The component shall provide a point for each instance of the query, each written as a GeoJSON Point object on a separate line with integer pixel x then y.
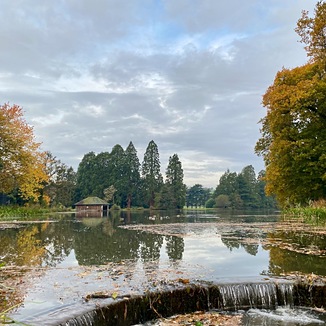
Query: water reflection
{"type": "Point", "coordinates": [204, 237]}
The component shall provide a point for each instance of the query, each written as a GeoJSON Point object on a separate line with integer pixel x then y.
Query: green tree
{"type": "Point", "coordinates": [86, 177]}
{"type": "Point", "coordinates": [101, 173]}
{"type": "Point", "coordinates": [197, 195]}
{"type": "Point", "coordinates": [248, 187]}
{"type": "Point", "coordinates": [118, 177]}
{"type": "Point", "coordinates": [222, 201]}
{"type": "Point", "coordinates": [132, 174]}
{"type": "Point", "coordinates": [229, 185]}
{"type": "Point", "coordinates": [61, 187]}
{"type": "Point", "coordinates": [293, 141]}
{"type": "Point", "coordinates": [174, 180]}
{"type": "Point", "coordinates": [109, 194]}
{"type": "Point", "coordinates": [151, 173]}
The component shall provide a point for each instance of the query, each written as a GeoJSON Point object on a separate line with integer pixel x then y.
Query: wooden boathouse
{"type": "Point", "coordinates": [91, 206]}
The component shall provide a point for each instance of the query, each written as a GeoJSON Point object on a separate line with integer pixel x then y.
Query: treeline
{"type": "Point", "coordinates": [242, 190]}
{"type": "Point", "coordinates": [29, 176]}
{"type": "Point", "coordinates": [120, 178]}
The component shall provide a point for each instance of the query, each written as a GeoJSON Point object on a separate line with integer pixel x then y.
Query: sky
{"type": "Point", "coordinates": [188, 74]}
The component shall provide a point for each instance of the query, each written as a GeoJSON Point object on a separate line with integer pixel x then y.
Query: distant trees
{"type": "Point", "coordinates": [22, 168]}
{"type": "Point", "coordinates": [120, 178]}
{"type": "Point", "coordinates": [293, 137]}
{"type": "Point", "coordinates": [242, 190]}
{"type": "Point", "coordinates": [197, 196]}
{"type": "Point", "coordinates": [29, 175]}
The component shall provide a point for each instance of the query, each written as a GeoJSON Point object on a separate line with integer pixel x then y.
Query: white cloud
{"type": "Point", "coordinates": [188, 74]}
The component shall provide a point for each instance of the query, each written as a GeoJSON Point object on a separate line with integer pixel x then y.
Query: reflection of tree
{"type": "Point", "coordinates": [99, 244]}
{"type": "Point", "coordinates": [287, 253]}
{"type": "Point", "coordinates": [58, 239]}
{"type": "Point", "coordinates": [150, 246]}
{"type": "Point", "coordinates": [22, 247]}
{"type": "Point", "coordinates": [230, 242]}
{"type": "Point", "coordinates": [240, 238]}
{"type": "Point", "coordinates": [30, 249]}
{"type": "Point", "coordinates": [174, 247]}
{"type": "Point", "coordinates": [8, 245]}
{"type": "Point", "coordinates": [44, 243]}
{"type": "Point", "coordinates": [251, 249]}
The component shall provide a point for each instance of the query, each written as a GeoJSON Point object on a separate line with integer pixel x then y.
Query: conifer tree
{"type": "Point", "coordinates": [151, 173]}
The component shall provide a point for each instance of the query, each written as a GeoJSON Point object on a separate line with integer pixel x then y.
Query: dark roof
{"type": "Point", "coordinates": [91, 201]}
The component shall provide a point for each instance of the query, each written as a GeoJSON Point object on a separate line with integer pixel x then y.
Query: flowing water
{"type": "Point", "coordinates": [59, 264]}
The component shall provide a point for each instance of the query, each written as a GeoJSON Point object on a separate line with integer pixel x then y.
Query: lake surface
{"type": "Point", "coordinates": [58, 263]}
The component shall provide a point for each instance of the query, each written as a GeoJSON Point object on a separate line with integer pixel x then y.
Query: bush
{"type": "Point", "coordinates": [210, 203]}
{"type": "Point", "coordinates": [115, 207]}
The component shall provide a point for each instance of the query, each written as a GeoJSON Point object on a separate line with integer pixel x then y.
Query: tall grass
{"type": "Point", "coordinates": [21, 213]}
{"type": "Point", "coordinates": [315, 213]}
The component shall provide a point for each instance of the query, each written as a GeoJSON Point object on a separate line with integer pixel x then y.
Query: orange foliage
{"type": "Point", "coordinates": [21, 162]}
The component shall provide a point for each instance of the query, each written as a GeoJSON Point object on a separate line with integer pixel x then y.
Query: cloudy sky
{"type": "Point", "coordinates": [188, 74]}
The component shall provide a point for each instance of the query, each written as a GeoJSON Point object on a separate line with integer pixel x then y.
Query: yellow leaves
{"type": "Point", "coordinates": [30, 248]}
{"type": "Point", "coordinates": [21, 162]}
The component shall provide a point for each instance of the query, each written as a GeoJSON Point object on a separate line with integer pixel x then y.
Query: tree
{"type": "Point", "coordinates": [222, 201]}
{"type": "Point", "coordinates": [109, 194]}
{"type": "Point", "coordinates": [248, 187]}
{"type": "Point", "coordinates": [313, 34]}
{"type": "Point", "coordinates": [117, 176]}
{"type": "Point", "coordinates": [21, 161]}
{"type": "Point", "coordinates": [174, 179]}
{"type": "Point", "coordinates": [151, 173]}
{"type": "Point", "coordinates": [86, 177]}
{"type": "Point", "coordinates": [132, 173]}
{"type": "Point", "coordinates": [102, 173]}
{"type": "Point", "coordinates": [293, 142]}
{"type": "Point", "coordinates": [61, 186]}
{"type": "Point", "coordinates": [197, 195]}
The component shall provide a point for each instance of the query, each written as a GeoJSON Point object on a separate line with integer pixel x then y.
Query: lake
{"type": "Point", "coordinates": [55, 264]}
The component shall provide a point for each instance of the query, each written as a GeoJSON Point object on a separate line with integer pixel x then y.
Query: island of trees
{"type": "Point", "coordinates": [292, 144]}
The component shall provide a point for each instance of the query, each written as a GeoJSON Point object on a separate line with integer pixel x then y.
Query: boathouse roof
{"type": "Point", "coordinates": [89, 201]}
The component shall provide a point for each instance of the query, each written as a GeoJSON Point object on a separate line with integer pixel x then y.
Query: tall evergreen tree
{"type": "Point", "coordinates": [132, 185]}
{"type": "Point", "coordinates": [174, 179]}
{"type": "Point", "coordinates": [86, 177]}
{"type": "Point", "coordinates": [102, 173]}
{"type": "Point", "coordinates": [151, 173]}
{"type": "Point", "coordinates": [118, 176]}
{"type": "Point", "coordinates": [248, 187]}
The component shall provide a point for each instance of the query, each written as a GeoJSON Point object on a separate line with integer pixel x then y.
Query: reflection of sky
{"type": "Point", "coordinates": [69, 261]}
{"type": "Point", "coordinates": [212, 254]}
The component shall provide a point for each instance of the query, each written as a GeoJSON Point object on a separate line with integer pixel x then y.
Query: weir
{"type": "Point", "coordinates": [222, 297]}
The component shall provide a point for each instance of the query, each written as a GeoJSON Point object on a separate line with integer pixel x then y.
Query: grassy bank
{"type": "Point", "coordinates": [315, 213]}
{"type": "Point", "coordinates": [9, 213]}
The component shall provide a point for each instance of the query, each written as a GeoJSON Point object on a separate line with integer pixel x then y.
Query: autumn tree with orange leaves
{"type": "Point", "coordinates": [21, 161]}
{"type": "Point", "coordinates": [293, 142]}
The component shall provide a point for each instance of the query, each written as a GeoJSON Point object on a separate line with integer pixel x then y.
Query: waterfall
{"type": "Point", "coordinates": [269, 298]}
{"type": "Point", "coordinates": [255, 295]}
{"type": "Point", "coordinates": [89, 318]}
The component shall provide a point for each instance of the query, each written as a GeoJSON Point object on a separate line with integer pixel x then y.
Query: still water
{"type": "Point", "coordinates": [61, 261]}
